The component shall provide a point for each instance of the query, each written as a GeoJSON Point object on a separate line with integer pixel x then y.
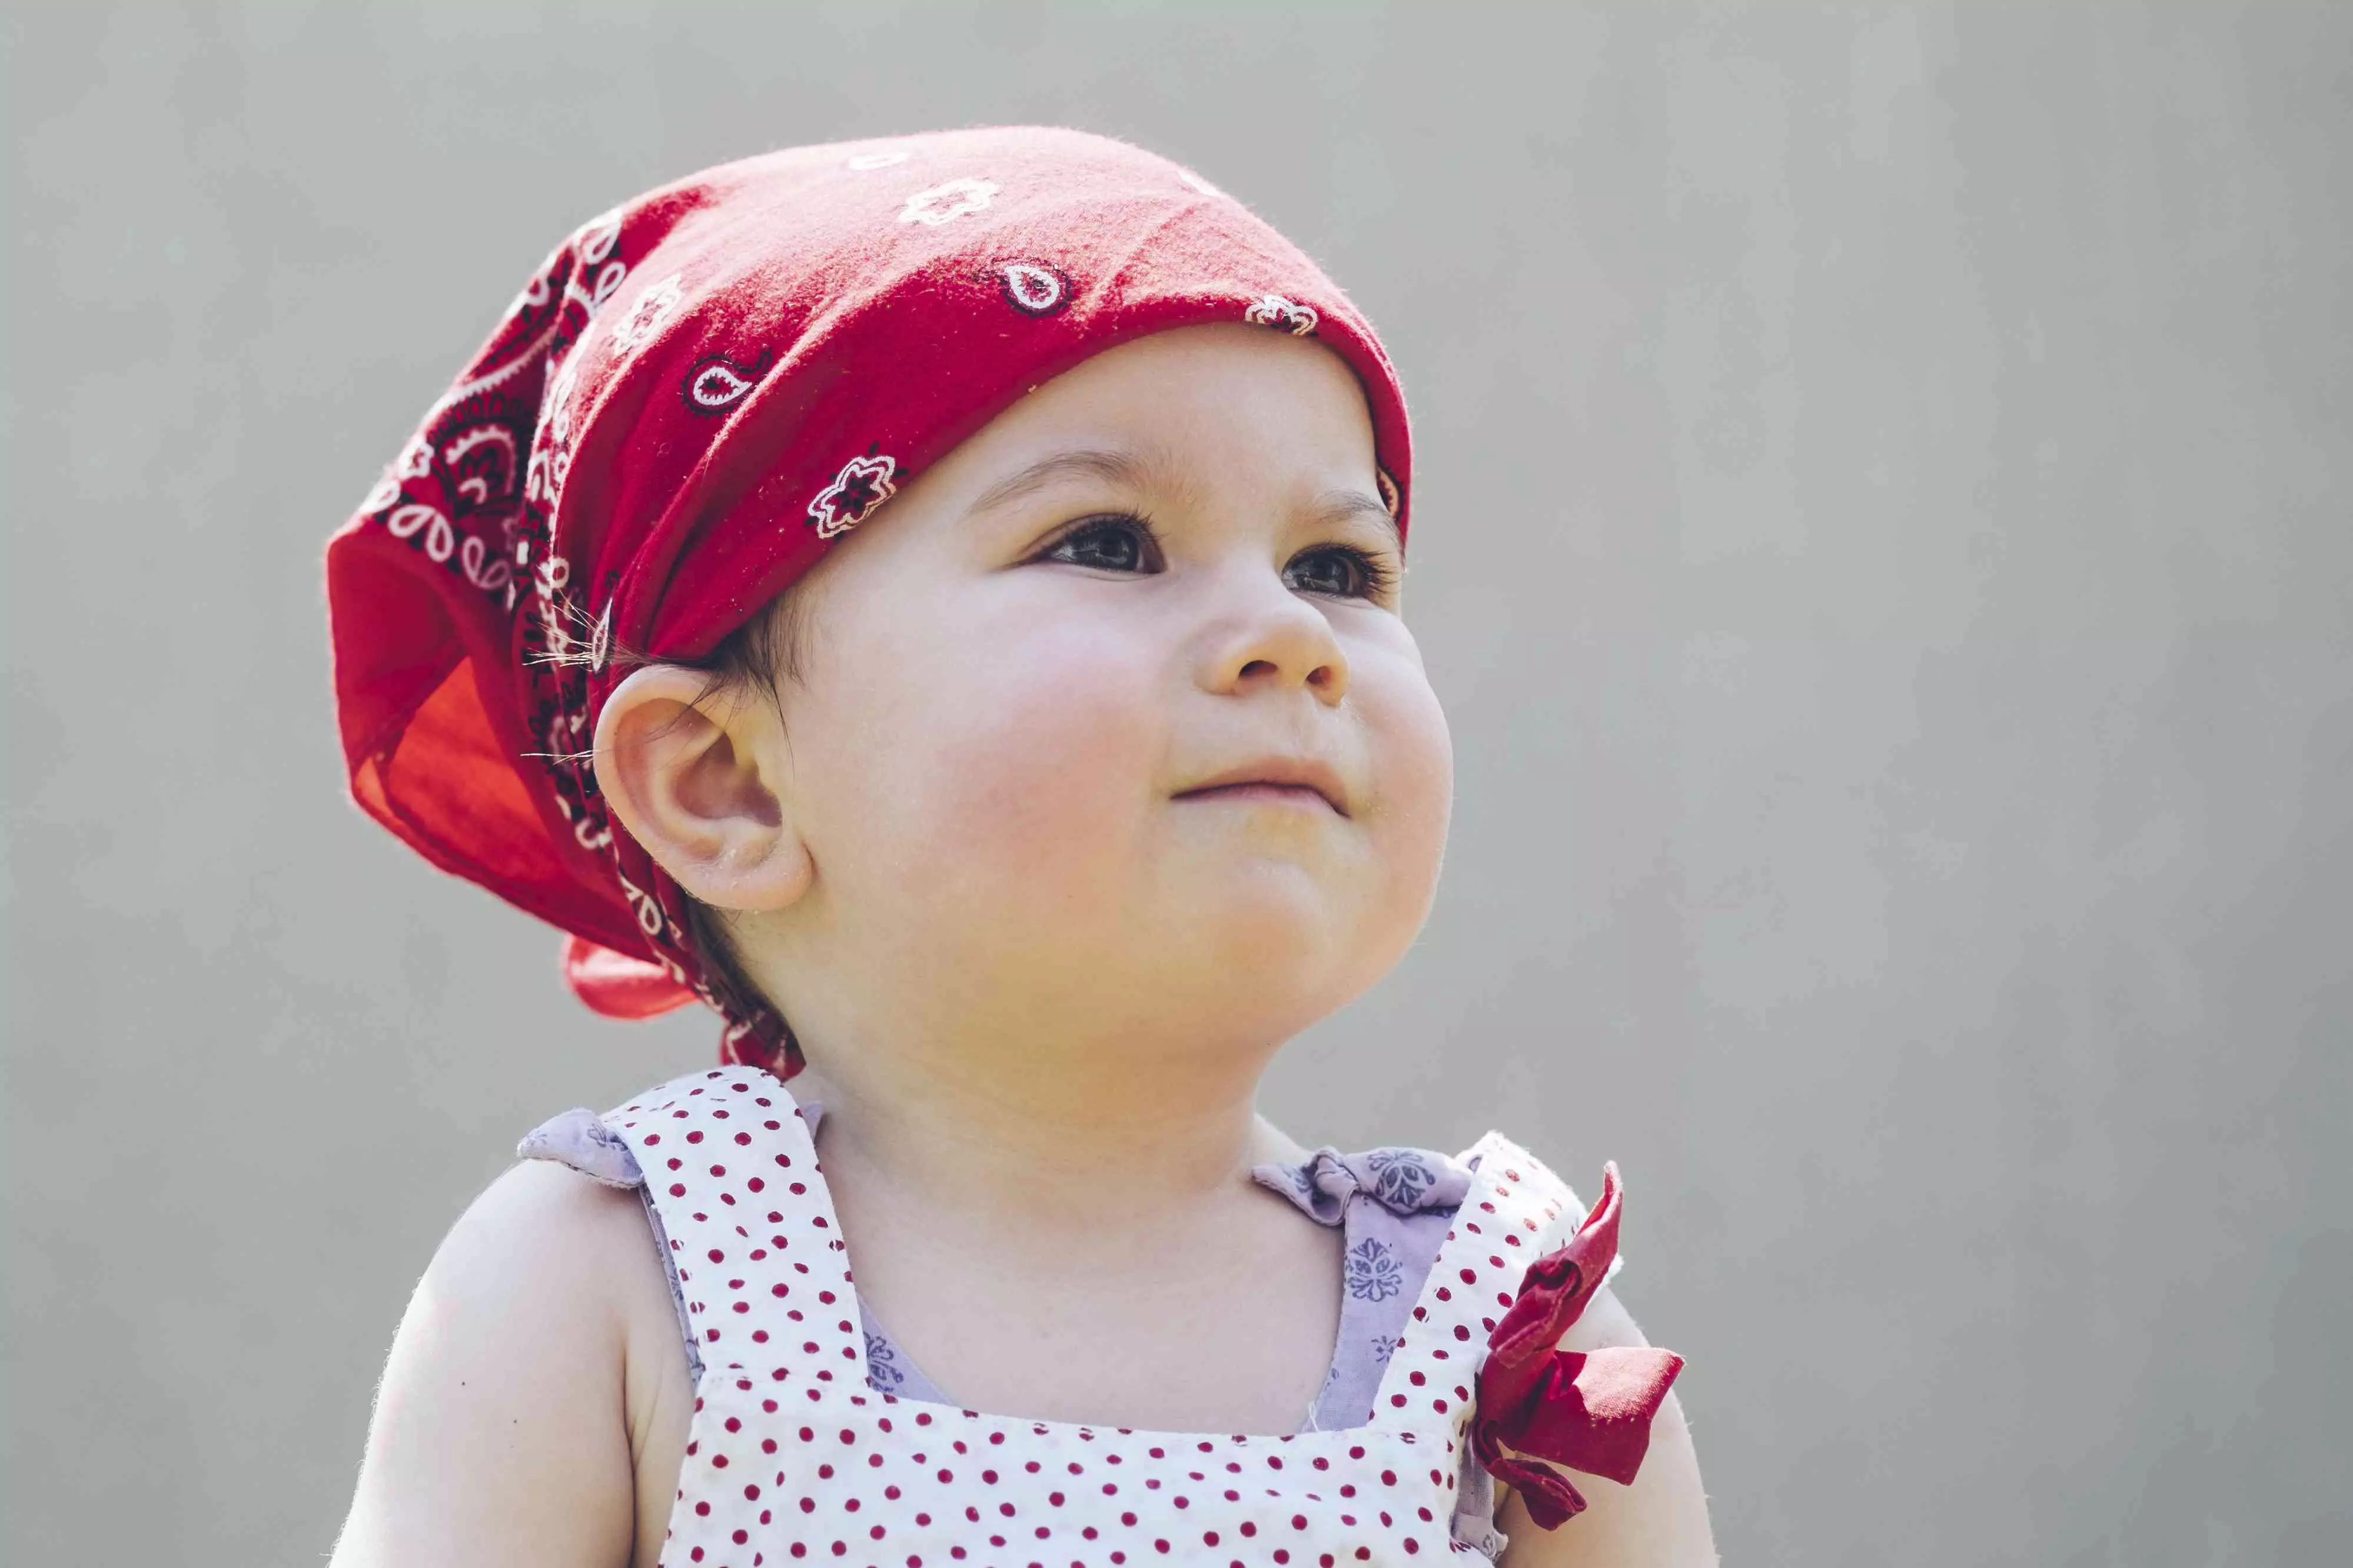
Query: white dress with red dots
{"type": "Point", "coordinates": [793, 1459]}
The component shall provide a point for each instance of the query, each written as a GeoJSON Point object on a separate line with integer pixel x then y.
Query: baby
{"type": "Point", "coordinates": [936, 602]}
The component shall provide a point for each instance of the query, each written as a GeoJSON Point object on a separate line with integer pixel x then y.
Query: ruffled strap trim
{"type": "Point", "coordinates": [1403, 1180]}
{"type": "Point", "coordinates": [1585, 1410]}
{"type": "Point", "coordinates": [580, 1138]}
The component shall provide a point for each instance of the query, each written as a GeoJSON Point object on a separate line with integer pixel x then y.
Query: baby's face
{"type": "Point", "coordinates": [1110, 719]}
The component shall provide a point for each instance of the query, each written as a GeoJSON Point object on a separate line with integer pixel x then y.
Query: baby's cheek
{"type": "Point", "coordinates": [1413, 757]}
{"type": "Point", "coordinates": [1034, 772]}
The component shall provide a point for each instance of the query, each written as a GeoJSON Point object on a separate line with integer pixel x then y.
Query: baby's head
{"type": "Point", "coordinates": [1074, 705]}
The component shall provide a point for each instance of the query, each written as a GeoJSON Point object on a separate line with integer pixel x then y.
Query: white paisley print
{"type": "Point", "coordinates": [1274, 311]}
{"type": "Point", "coordinates": [948, 202]}
{"type": "Point", "coordinates": [657, 304]}
{"type": "Point", "coordinates": [863, 484]}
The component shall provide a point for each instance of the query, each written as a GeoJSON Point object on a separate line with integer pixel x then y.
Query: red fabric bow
{"type": "Point", "coordinates": [690, 401]}
{"type": "Point", "coordinates": [1587, 1410]}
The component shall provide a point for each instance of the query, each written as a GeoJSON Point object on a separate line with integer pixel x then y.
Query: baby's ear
{"type": "Point", "coordinates": [692, 772]}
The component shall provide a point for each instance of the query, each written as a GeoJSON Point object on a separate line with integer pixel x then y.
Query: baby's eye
{"type": "Point", "coordinates": [1342, 570]}
{"type": "Point", "coordinates": [1108, 543]}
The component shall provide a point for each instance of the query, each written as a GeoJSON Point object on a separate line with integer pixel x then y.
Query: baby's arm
{"type": "Point", "coordinates": [499, 1434]}
{"type": "Point", "coordinates": [1660, 1521]}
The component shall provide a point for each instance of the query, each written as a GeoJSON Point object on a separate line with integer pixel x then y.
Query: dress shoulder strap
{"type": "Point", "coordinates": [731, 1172]}
{"type": "Point", "coordinates": [1515, 1210]}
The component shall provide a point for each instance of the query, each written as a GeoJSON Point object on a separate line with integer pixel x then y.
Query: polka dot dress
{"type": "Point", "coordinates": [793, 1459]}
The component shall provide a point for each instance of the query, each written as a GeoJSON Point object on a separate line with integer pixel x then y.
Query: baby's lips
{"type": "Point", "coordinates": [1292, 772]}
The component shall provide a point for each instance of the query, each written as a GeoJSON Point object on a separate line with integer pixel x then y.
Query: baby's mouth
{"type": "Point", "coordinates": [1297, 783]}
{"type": "Point", "coordinates": [1297, 796]}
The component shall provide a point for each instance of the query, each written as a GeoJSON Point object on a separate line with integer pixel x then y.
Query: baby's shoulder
{"type": "Point", "coordinates": [541, 1250]}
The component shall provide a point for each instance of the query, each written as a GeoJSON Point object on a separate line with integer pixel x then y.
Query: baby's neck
{"type": "Point", "coordinates": [1061, 1151]}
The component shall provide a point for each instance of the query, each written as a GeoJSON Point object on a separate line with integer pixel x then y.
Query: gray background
{"type": "Point", "coordinates": [1881, 548]}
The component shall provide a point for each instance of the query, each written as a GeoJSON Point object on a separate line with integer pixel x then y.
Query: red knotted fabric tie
{"type": "Point", "coordinates": [1587, 1410]}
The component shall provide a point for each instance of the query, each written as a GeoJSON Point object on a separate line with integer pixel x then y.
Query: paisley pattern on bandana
{"type": "Point", "coordinates": [717, 383]}
{"type": "Point", "coordinates": [655, 306]}
{"type": "Point", "coordinates": [947, 202]}
{"type": "Point", "coordinates": [1274, 311]}
{"type": "Point", "coordinates": [863, 484]}
{"type": "Point", "coordinates": [1035, 288]}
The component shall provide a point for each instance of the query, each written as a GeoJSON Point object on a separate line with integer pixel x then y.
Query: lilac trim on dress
{"type": "Point", "coordinates": [1392, 1207]}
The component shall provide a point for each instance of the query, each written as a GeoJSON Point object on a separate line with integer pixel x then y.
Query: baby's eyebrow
{"type": "Point", "coordinates": [1115, 467]}
{"type": "Point", "coordinates": [1335, 508]}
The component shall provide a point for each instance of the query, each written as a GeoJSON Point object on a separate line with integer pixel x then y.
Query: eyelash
{"type": "Point", "coordinates": [1379, 579]}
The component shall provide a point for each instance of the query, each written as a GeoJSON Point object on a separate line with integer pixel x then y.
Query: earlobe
{"type": "Point", "coordinates": [695, 774]}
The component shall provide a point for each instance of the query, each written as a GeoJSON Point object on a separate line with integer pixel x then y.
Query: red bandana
{"type": "Point", "coordinates": [697, 393]}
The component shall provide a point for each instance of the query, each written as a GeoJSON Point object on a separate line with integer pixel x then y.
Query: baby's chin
{"type": "Point", "coordinates": [1275, 933]}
